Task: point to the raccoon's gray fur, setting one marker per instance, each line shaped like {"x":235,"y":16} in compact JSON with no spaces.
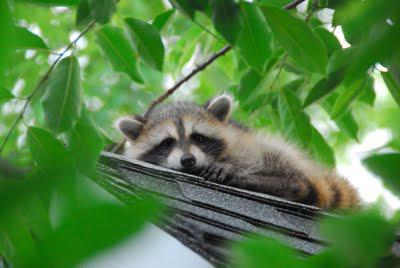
{"x":202,"y":140}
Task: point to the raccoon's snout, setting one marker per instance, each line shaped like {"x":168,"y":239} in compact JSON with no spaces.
{"x":188,"y":161}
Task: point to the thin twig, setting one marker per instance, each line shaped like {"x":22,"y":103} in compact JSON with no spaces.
{"x":199,"y":68}
{"x":209,"y":32}
{"x":314,"y":8}
{"x":41,"y":82}
{"x":279,"y":70}
{"x":293,"y":4}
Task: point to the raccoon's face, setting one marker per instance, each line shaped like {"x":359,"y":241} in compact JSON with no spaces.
{"x":181,"y":136}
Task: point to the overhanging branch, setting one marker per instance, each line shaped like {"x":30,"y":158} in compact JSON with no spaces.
{"x":293,"y":4}
{"x":199,"y":68}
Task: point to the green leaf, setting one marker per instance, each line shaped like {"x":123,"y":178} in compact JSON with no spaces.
{"x":188,"y":7}
{"x":63,"y":98}
{"x":360,"y":240}
{"x":15,"y":237}
{"x":392,"y":86}
{"x":255,"y":252}
{"x":147,"y":42}
{"x":85,"y":143}
{"x":251,"y":91}
{"x":83,"y":14}
{"x":295,"y":84}
{"x":334,"y":4}
{"x":119,"y":51}
{"x":5,"y":95}
{"x":325,"y":259}
{"x":7,"y":48}
{"x":255,"y":42}
{"x":337,"y":67}
{"x":51,"y":2}
{"x":28,"y":40}
{"x":160,"y":21}
{"x":101,"y":10}
{"x":386,"y":166}
{"x":346,"y":122}
{"x":36,"y":217}
{"x":184,"y":7}
{"x":294,"y":123}
{"x":226,"y":19}
{"x":382,"y":46}
{"x":349,"y":125}
{"x":322,"y":88}
{"x":300,"y":42}
{"x":332,"y":44}
{"x":247,"y":85}
{"x":94,"y":10}
{"x":368,"y":96}
{"x":183,"y":49}
{"x":321,"y":149}
{"x":375,"y":39}
{"x":340,"y":60}
{"x":89,"y":231}
{"x":345,"y":100}
{"x":275,"y":3}
{"x":359,"y":19}
{"x":49,"y":154}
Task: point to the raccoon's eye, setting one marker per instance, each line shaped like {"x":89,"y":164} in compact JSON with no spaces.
{"x":167,"y":142}
{"x":197,"y":137}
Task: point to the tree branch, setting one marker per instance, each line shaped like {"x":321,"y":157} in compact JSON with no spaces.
{"x":41,"y":82}
{"x":293,"y":4}
{"x":199,"y":68}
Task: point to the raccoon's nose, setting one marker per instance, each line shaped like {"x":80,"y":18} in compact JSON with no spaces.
{"x":188,"y":161}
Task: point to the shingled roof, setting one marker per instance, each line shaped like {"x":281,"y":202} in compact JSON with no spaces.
{"x":207,"y":215}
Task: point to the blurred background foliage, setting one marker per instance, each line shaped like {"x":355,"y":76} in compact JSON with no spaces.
{"x":69,"y":68}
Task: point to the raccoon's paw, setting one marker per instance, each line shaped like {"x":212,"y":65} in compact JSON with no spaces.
{"x":216,"y":172}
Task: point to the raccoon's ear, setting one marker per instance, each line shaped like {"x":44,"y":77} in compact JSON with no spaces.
{"x":220,"y":106}
{"x":130,"y":127}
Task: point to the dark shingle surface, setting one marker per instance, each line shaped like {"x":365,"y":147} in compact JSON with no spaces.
{"x":205,"y":216}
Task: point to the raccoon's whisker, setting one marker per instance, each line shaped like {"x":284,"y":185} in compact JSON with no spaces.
{"x":214,"y":149}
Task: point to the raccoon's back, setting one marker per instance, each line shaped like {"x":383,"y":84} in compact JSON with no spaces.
{"x":334,"y":192}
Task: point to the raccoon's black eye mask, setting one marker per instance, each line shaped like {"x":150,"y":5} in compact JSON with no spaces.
{"x":167,"y":143}
{"x":211,"y":146}
{"x":198,"y":138}
{"x":159,"y":152}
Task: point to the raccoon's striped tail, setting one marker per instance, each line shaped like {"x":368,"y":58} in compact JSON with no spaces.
{"x":333,"y":192}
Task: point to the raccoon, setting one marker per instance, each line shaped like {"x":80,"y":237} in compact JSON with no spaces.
{"x":204,"y":141}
